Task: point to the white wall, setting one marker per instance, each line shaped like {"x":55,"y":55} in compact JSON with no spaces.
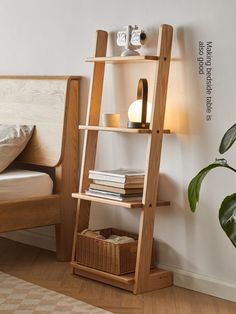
{"x":54,"y":37}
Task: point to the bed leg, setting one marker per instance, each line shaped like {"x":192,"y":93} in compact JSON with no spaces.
{"x":65,"y":231}
{"x":67,"y":177}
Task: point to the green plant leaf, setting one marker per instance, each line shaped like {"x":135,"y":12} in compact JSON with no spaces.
{"x":228,"y":139}
{"x":195,"y":184}
{"x":227,"y":217}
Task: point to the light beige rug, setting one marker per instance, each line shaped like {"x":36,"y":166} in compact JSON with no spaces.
{"x":21,"y":297}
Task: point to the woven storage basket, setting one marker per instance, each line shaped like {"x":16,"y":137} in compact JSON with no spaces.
{"x":106,"y":256}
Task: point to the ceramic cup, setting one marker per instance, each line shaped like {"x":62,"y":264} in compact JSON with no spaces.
{"x":111,"y":119}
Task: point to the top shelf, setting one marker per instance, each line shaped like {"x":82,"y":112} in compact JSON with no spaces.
{"x":118,"y":59}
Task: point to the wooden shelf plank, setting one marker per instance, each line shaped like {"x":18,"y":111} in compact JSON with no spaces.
{"x":113,"y":129}
{"x":158,"y":278}
{"x":120,"y":59}
{"x":84,"y":196}
{"x":126,"y":279}
{"x":122,"y":130}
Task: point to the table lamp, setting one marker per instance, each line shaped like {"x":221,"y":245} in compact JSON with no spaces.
{"x":139,"y":111}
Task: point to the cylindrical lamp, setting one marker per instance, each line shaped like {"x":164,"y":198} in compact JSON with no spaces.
{"x":139,"y":112}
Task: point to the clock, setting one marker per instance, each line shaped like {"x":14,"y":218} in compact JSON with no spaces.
{"x":132,"y":38}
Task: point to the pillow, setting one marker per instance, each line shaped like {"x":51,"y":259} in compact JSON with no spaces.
{"x":13,"y":139}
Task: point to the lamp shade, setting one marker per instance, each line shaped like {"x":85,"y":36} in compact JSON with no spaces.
{"x":135,"y":111}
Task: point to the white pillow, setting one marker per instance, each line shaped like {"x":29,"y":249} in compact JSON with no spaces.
{"x":13,"y":139}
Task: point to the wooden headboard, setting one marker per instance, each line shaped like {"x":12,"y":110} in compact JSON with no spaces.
{"x":42,"y":101}
{"x":52,"y":105}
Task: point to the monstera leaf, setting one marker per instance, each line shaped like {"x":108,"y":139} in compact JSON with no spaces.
{"x":228,"y":139}
{"x":195,"y":184}
{"x":227,"y":217}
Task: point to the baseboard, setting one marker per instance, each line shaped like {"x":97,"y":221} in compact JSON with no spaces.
{"x":204,"y":284}
{"x":33,"y":238}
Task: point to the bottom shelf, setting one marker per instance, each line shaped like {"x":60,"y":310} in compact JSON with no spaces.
{"x":158,"y":278}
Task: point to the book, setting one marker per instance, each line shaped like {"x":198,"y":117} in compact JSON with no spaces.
{"x":125,"y":185}
{"x":114,"y":196}
{"x":118,"y":175}
{"x":113,"y":189}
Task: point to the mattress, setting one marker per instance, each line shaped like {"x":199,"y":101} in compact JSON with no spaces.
{"x":18,"y":183}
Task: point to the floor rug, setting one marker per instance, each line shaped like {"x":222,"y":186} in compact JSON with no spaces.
{"x":21,"y":297}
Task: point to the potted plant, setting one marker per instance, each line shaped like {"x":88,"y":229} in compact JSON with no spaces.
{"x":227,"y":211}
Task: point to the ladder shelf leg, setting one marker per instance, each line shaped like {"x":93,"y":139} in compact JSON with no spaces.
{"x":144,"y":281}
{"x":90,"y":138}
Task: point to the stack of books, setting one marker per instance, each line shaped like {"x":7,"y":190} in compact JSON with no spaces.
{"x":120,"y":184}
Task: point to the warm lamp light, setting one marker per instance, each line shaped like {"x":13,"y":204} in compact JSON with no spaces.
{"x":139,"y":111}
{"x":135,"y":111}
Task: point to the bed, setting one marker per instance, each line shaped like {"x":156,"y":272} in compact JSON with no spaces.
{"x":52,"y":105}
{"x":25,"y":184}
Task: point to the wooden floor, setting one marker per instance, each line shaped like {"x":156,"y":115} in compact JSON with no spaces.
{"x":39,"y":266}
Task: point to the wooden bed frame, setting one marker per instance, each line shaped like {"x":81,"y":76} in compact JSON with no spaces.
{"x":51,"y":104}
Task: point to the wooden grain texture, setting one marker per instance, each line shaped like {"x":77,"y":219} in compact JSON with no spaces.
{"x":125,"y":279}
{"x":144,"y":281}
{"x":158,"y":278}
{"x":153,"y":162}
{"x":93,"y":111}
{"x":122,"y":130}
{"x":50,"y":103}
{"x":40,"y":77}
{"x":131,"y":204}
{"x":83,"y":196}
{"x":112,"y":129}
{"x":67,"y":175}
{"x":119,"y":59}
{"x":29,"y":213}
{"x":40,"y":267}
{"x":90,"y":138}
{"x":39,"y":102}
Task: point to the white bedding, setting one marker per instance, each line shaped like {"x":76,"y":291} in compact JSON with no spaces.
{"x":17,"y":183}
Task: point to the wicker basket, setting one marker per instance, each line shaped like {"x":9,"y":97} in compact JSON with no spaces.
{"x":106,"y":256}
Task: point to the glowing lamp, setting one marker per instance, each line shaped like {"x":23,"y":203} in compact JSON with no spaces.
{"x":135,"y":111}
{"x":139,"y":111}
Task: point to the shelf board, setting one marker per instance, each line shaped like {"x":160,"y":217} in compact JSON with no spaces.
{"x":158,"y":278}
{"x":120,"y":59}
{"x":122,"y":130}
{"x":139,"y":204}
{"x":86,"y":197}
{"x":112,"y":129}
{"x":126,"y":279}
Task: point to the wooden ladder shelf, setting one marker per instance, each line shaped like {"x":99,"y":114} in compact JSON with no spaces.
{"x":143,"y":279}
